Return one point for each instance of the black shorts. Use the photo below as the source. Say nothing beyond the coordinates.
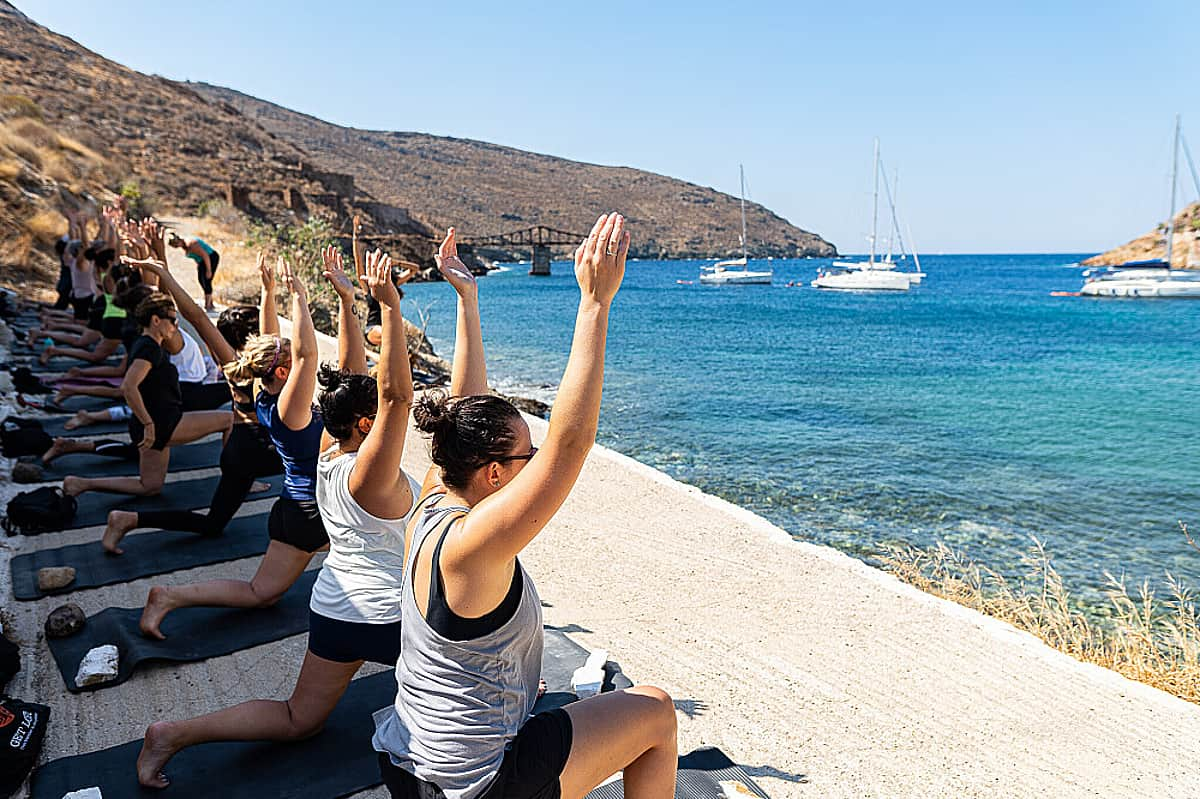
(297, 523)
(347, 641)
(530, 770)
(112, 327)
(82, 306)
(164, 428)
(204, 396)
(96, 318)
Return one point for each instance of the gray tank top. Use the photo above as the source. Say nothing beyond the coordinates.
(459, 703)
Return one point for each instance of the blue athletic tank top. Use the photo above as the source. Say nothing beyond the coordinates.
(204, 246)
(298, 449)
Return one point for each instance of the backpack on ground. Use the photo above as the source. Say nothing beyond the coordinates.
(22, 728)
(42, 510)
(23, 437)
(26, 382)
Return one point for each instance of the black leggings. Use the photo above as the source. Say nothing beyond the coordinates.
(205, 280)
(247, 455)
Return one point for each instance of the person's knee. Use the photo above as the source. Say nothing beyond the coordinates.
(267, 595)
(662, 713)
(152, 487)
(301, 726)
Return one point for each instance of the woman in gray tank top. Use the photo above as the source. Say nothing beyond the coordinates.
(471, 630)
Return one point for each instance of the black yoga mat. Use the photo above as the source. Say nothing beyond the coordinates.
(146, 554)
(59, 364)
(257, 769)
(54, 426)
(202, 455)
(178, 495)
(700, 775)
(192, 634)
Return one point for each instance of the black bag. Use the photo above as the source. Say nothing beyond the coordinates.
(10, 660)
(42, 510)
(23, 437)
(22, 728)
(26, 382)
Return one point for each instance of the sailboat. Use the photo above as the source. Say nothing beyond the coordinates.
(1154, 278)
(736, 272)
(872, 274)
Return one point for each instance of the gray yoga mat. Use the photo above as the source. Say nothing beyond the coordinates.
(251, 770)
(201, 455)
(192, 634)
(177, 495)
(700, 775)
(146, 554)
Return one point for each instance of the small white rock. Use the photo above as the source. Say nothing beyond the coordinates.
(84, 793)
(98, 665)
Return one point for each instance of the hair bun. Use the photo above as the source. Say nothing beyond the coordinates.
(433, 412)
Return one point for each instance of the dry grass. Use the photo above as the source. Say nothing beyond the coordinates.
(10, 168)
(16, 105)
(20, 147)
(46, 226)
(1146, 638)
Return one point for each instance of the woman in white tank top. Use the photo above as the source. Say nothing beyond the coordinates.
(364, 499)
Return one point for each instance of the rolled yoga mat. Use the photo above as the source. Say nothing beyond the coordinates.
(339, 761)
(176, 495)
(201, 455)
(196, 633)
(146, 554)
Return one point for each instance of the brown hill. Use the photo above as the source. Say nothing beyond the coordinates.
(484, 188)
(1185, 252)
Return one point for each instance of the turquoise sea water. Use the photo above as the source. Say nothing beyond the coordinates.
(976, 410)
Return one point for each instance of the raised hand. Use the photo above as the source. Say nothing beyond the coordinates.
(453, 269)
(410, 271)
(378, 279)
(335, 273)
(265, 273)
(291, 281)
(600, 259)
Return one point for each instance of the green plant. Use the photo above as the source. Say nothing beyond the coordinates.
(301, 245)
(140, 205)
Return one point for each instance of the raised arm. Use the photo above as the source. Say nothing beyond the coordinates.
(356, 249)
(377, 482)
(268, 315)
(468, 376)
(295, 401)
(352, 354)
(500, 526)
(190, 310)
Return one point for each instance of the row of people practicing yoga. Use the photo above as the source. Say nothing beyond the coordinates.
(425, 577)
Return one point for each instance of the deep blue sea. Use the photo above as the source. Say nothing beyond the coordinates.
(976, 410)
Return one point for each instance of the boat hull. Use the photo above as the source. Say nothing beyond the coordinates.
(1142, 289)
(737, 278)
(863, 280)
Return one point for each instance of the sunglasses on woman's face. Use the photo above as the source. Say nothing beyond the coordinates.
(172, 319)
(522, 457)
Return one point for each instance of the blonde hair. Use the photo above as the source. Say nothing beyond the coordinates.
(258, 359)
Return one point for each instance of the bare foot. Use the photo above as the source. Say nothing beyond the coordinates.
(59, 447)
(44, 358)
(259, 486)
(31, 338)
(158, 605)
(157, 749)
(62, 394)
(120, 522)
(80, 419)
(71, 486)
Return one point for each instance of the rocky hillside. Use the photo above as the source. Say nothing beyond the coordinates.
(1185, 247)
(484, 188)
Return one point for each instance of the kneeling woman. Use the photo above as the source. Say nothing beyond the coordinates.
(471, 650)
(365, 499)
(151, 390)
(288, 372)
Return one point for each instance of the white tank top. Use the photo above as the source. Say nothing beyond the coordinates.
(190, 361)
(361, 578)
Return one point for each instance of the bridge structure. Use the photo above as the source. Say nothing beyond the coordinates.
(539, 239)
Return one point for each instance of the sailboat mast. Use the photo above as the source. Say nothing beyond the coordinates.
(742, 175)
(1174, 179)
(875, 204)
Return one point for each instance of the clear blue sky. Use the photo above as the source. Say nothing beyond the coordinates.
(1016, 126)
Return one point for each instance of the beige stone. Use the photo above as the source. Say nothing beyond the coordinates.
(53, 578)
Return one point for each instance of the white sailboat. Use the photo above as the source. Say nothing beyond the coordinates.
(872, 274)
(736, 272)
(1153, 279)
